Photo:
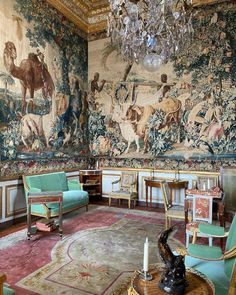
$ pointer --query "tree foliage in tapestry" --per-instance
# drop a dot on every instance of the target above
(64, 111)
(196, 116)
(52, 27)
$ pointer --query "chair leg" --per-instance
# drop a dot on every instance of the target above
(109, 202)
(187, 240)
(166, 223)
(194, 237)
(129, 203)
(119, 202)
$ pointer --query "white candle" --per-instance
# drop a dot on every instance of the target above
(145, 255)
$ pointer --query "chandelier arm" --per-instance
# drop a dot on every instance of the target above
(143, 27)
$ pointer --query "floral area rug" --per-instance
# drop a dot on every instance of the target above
(98, 254)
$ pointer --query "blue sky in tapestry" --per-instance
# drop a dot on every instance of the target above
(43, 81)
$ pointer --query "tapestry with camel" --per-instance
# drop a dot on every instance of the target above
(184, 110)
(43, 78)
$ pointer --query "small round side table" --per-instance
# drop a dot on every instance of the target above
(197, 283)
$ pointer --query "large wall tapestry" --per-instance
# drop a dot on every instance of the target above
(43, 80)
(185, 110)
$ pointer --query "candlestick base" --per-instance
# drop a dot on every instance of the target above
(145, 275)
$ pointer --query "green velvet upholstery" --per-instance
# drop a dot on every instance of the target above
(48, 182)
(73, 184)
(205, 252)
(211, 229)
(8, 291)
(214, 270)
(73, 196)
(73, 199)
(226, 264)
(35, 190)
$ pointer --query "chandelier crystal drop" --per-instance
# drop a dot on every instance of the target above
(149, 30)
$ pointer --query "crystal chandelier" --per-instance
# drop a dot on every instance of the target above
(149, 31)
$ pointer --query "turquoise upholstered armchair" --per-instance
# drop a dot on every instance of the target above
(218, 266)
(74, 196)
(4, 288)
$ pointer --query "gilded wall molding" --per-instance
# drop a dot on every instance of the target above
(15, 212)
(192, 172)
(0, 203)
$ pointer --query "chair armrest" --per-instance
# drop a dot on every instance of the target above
(116, 181)
(74, 184)
(230, 253)
(212, 230)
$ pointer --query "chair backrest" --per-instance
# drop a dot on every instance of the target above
(232, 284)
(202, 208)
(166, 195)
(231, 243)
(53, 181)
(128, 180)
(207, 182)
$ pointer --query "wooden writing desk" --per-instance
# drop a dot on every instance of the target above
(173, 185)
(43, 198)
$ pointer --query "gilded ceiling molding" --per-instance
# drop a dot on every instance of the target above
(90, 16)
(87, 16)
(208, 2)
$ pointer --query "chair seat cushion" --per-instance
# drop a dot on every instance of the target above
(204, 252)
(71, 199)
(178, 212)
(211, 229)
(122, 195)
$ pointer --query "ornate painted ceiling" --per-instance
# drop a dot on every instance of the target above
(90, 15)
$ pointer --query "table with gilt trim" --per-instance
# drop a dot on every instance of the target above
(197, 283)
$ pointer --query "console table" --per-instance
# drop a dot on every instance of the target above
(198, 283)
(173, 185)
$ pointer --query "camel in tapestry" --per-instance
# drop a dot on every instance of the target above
(32, 73)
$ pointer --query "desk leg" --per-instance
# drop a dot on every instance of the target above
(60, 220)
(146, 195)
(221, 217)
(29, 221)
